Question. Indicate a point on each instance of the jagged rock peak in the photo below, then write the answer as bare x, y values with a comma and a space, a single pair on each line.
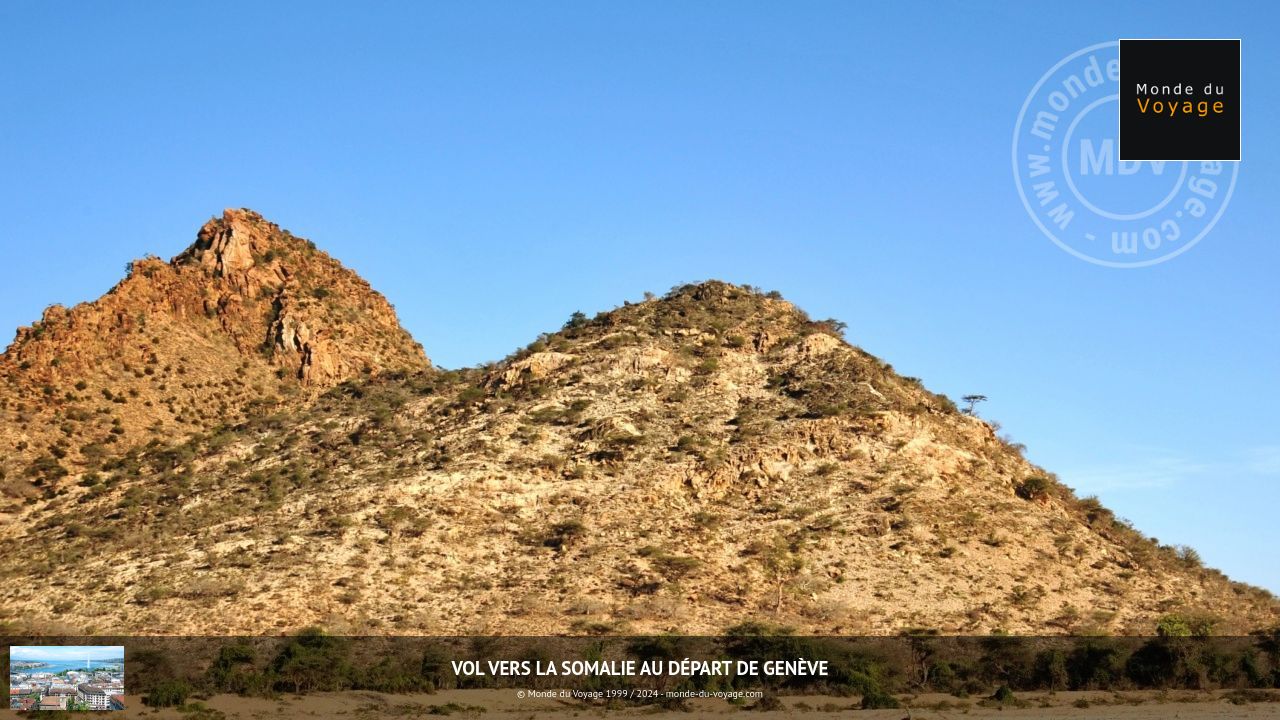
248, 314
233, 242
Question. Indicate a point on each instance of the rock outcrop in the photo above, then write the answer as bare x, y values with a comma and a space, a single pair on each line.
249, 317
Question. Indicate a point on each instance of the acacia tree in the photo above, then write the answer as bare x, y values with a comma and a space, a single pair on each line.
576, 320
780, 563
972, 403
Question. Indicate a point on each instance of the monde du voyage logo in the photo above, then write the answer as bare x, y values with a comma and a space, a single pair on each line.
1123, 184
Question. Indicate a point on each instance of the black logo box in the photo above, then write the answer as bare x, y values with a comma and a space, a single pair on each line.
1187, 68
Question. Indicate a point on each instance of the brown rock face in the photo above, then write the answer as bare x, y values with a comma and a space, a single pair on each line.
247, 318
229, 250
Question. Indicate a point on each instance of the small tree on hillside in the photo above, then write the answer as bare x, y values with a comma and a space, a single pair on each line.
971, 404
576, 320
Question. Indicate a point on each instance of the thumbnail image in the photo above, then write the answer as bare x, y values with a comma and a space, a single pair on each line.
66, 677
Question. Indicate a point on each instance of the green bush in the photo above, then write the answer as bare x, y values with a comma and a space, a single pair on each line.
1155, 664
1003, 694
1176, 625
1051, 670
1096, 664
577, 320
168, 693
313, 661
1035, 488
879, 700
436, 668
471, 395
563, 534
234, 672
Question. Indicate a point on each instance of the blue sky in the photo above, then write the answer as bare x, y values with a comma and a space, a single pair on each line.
492, 167
66, 653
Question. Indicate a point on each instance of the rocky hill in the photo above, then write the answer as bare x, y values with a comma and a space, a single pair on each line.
246, 320
682, 464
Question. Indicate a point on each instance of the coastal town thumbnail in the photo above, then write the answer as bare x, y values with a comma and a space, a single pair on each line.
66, 677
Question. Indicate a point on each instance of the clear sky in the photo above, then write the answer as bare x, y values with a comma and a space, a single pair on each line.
66, 653
493, 167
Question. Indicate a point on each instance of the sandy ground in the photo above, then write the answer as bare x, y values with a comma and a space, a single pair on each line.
506, 704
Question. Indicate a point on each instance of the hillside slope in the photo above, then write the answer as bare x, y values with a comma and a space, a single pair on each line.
248, 318
682, 464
